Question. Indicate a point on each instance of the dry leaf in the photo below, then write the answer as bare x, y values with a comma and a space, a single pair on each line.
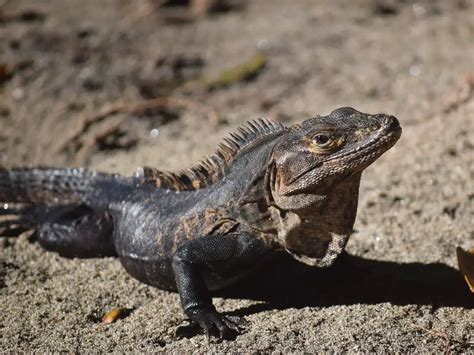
466, 265
114, 314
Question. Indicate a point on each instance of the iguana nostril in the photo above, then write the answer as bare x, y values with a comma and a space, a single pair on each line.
392, 122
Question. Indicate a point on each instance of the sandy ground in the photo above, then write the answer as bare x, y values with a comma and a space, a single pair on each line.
398, 289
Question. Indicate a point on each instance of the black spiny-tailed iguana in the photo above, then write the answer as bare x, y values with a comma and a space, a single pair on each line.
268, 188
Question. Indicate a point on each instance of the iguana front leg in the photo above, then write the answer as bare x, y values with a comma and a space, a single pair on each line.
220, 254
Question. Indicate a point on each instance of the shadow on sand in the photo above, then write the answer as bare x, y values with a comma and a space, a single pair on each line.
285, 283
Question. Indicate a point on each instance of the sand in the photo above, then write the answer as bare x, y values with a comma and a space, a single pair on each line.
397, 289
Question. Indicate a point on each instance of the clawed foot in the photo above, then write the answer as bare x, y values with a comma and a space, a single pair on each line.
212, 323
18, 220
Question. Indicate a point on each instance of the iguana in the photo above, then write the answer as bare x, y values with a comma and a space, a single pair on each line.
268, 188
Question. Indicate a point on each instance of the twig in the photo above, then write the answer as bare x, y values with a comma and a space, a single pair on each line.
144, 10
89, 144
87, 121
449, 341
462, 94
130, 108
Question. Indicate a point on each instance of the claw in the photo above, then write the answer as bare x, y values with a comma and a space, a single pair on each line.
221, 326
211, 323
187, 330
207, 332
232, 325
13, 228
238, 321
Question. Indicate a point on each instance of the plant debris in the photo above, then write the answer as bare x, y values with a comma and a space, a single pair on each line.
463, 94
466, 265
6, 72
243, 72
130, 108
115, 314
194, 9
27, 15
451, 344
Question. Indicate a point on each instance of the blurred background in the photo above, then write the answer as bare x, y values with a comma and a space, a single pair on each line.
117, 84
77, 76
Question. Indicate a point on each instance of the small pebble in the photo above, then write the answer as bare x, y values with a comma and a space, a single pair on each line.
414, 70
18, 94
154, 133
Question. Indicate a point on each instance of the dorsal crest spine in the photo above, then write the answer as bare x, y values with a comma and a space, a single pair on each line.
212, 168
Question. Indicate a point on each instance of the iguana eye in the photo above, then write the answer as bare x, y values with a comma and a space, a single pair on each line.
322, 140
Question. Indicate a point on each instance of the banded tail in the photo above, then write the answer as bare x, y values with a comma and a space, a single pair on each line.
67, 208
53, 186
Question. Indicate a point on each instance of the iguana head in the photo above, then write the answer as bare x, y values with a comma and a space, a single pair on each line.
325, 150
315, 179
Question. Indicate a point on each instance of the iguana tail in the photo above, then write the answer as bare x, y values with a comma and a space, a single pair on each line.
29, 196
57, 186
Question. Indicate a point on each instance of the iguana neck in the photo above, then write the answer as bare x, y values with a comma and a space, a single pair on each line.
317, 234
314, 235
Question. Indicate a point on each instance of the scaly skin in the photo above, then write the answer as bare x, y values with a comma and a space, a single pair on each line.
268, 188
